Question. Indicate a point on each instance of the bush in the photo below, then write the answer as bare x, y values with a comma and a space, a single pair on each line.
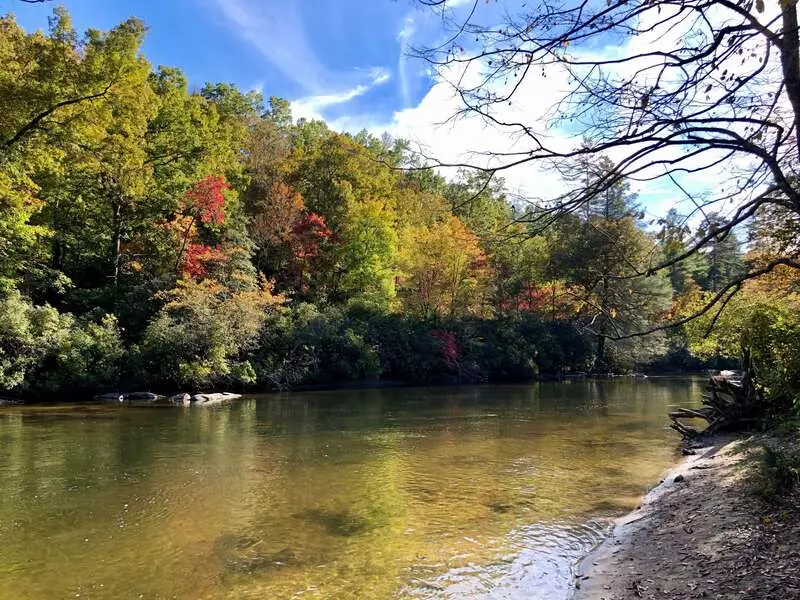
768, 325
203, 336
778, 470
44, 351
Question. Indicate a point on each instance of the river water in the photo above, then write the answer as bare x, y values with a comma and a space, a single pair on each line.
471, 492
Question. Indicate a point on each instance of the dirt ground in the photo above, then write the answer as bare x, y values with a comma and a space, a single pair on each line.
701, 534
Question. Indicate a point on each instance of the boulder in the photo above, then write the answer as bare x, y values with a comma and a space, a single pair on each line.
183, 399
10, 401
212, 399
110, 397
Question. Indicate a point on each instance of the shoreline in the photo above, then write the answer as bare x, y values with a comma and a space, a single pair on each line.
596, 573
700, 533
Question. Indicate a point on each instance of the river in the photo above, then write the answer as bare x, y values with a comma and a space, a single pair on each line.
469, 492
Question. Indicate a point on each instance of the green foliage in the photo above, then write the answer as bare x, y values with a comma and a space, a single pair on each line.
768, 325
203, 334
777, 470
44, 351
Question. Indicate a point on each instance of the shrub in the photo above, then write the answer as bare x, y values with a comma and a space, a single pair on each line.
778, 470
203, 335
44, 351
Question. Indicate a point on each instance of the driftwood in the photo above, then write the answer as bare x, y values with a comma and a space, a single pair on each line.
733, 402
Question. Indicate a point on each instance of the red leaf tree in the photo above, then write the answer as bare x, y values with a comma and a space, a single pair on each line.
203, 202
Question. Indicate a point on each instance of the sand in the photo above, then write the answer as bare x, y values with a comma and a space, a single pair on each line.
701, 533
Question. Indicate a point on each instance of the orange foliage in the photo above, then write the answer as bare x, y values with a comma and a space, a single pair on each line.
276, 213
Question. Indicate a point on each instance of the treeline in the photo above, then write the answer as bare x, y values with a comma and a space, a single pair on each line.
155, 235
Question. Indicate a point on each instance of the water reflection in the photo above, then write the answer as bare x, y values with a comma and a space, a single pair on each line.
483, 492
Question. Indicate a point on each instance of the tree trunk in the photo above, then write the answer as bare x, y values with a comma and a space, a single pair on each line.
790, 60
116, 241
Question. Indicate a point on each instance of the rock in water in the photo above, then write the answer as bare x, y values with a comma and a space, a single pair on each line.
147, 396
212, 399
10, 401
183, 398
109, 397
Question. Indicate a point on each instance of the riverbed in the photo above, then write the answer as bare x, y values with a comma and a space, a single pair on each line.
467, 492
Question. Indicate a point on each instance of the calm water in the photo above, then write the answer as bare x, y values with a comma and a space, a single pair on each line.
484, 492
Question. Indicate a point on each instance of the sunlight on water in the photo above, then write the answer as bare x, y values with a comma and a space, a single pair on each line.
474, 492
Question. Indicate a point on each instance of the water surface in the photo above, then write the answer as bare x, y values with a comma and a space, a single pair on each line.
471, 492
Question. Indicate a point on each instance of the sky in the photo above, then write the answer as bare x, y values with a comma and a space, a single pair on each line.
344, 61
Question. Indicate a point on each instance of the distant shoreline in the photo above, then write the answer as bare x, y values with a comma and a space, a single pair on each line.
89, 397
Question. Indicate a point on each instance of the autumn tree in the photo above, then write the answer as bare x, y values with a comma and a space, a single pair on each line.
445, 271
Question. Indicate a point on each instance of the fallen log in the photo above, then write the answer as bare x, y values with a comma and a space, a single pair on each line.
688, 413
733, 402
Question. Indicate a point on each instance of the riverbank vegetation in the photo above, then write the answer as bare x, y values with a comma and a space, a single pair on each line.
155, 233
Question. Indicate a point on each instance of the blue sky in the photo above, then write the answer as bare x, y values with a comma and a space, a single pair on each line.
349, 53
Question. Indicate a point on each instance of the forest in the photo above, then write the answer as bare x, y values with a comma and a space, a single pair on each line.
162, 236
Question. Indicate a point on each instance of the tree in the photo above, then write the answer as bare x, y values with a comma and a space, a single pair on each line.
694, 89
445, 271
367, 253
674, 240
598, 251
723, 255
93, 196
65, 102
478, 199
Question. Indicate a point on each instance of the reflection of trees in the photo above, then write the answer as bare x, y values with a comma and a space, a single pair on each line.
346, 491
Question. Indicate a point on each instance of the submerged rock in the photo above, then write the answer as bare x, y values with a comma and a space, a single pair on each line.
146, 396
245, 554
341, 523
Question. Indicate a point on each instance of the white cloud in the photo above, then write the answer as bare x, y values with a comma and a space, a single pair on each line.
404, 36
429, 126
467, 139
311, 107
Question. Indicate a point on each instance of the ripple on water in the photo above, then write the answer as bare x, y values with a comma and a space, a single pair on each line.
538, 564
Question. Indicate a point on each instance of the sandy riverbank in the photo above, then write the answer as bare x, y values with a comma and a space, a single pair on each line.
700, 534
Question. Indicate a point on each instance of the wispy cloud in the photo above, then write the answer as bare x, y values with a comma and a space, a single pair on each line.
276, 30
312, 107
404, 36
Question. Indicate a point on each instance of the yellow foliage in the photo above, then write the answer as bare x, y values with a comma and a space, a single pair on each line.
445, 273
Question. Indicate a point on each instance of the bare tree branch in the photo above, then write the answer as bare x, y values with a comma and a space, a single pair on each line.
715, 92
